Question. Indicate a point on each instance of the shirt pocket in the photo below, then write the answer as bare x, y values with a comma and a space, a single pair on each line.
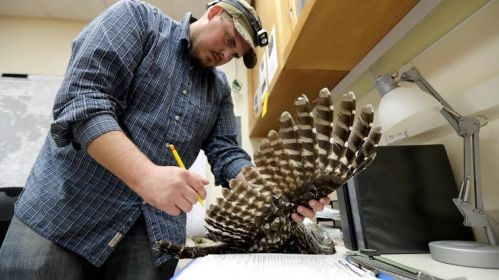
194, 122
204, 115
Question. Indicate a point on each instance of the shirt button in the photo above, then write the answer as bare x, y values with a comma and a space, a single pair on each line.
184, 92
177, 118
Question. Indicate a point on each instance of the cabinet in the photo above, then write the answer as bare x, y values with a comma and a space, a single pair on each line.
328, 39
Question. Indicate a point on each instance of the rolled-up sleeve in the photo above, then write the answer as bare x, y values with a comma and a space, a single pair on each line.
224, 155
103, 60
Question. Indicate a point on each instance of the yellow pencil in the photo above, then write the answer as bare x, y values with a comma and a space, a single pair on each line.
181, 164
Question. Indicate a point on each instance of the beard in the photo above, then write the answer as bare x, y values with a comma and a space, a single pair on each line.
195, 57
195, 54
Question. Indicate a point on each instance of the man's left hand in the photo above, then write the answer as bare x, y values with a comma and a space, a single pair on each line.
305, 212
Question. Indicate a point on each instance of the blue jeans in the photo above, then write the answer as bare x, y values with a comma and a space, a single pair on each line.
27, 255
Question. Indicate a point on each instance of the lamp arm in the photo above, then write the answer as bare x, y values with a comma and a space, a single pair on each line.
468, 128
476, 170
412, 75
451, 118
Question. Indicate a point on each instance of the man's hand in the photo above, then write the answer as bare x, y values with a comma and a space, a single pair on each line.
240, 177
168, 188
304, 212
171, 189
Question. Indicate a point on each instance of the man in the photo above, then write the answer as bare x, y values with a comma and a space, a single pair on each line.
104, 187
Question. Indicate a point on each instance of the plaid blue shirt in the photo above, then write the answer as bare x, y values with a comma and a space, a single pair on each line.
131, 71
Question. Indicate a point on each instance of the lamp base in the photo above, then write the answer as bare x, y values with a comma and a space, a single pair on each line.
465, 253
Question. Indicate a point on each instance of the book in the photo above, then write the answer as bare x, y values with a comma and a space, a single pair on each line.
272, 266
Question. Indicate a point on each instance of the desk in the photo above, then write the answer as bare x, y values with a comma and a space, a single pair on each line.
424, 262
443, 270
418, 261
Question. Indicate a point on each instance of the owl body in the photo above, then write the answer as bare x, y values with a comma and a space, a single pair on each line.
311, 156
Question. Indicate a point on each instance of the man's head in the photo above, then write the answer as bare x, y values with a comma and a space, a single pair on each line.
228, 29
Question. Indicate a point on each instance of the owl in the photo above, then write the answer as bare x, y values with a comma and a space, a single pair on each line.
312, 155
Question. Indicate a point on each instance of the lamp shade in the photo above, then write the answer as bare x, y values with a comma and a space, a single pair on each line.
403, 107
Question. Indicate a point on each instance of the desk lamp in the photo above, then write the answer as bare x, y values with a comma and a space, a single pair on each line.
396, 106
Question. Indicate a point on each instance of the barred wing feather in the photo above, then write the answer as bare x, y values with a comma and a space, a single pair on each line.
312, 155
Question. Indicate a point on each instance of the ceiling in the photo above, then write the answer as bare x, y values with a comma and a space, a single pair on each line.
85, 10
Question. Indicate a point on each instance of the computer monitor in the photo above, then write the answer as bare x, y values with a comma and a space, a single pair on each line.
402, 201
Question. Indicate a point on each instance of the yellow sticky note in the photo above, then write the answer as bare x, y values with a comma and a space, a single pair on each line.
265, 102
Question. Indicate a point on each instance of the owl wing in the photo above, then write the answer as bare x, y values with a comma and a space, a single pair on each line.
317, 151
310, 157
237, 217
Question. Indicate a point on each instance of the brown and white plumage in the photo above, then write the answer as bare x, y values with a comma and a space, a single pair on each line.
311, 156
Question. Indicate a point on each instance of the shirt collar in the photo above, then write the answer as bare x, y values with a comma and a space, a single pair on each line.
185, 27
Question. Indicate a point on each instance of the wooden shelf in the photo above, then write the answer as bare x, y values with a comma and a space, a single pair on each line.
328, 40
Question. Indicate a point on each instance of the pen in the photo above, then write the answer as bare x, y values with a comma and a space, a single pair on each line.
181, 164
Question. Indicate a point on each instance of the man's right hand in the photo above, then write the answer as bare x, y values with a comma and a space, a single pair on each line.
168, 188
171, 189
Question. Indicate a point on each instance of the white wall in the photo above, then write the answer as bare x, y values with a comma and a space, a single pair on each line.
36, 46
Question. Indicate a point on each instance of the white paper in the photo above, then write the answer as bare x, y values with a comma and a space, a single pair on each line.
257, 102
195, 218
199, 165
195, 221
268, 266
271, 53
263, 83
328, 213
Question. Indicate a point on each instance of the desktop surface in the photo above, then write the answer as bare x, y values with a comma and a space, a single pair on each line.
425, 263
